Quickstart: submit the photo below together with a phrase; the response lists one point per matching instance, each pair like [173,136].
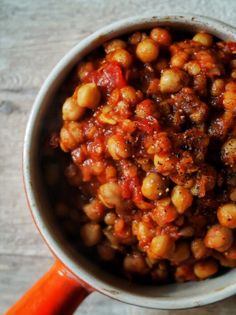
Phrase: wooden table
[34,35]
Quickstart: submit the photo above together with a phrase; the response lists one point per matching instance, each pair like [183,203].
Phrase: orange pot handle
[58,292]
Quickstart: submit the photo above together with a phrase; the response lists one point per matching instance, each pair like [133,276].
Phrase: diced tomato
[232,47]
[108,77]
[148,124]
[131,188]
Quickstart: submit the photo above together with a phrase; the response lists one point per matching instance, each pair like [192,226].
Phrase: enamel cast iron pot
[73,276]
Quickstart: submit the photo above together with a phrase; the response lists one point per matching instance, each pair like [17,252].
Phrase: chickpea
[204,39]
[91,234]
[153,186]
[71,135]
[172,80]
[160,272]
[228,152]
[105,116]
[181,253]
[94,210]
[71,110]
[105,251]
[226,215]
[164,212]
[178,60]
[145,108]
[181,198]
[84,69]
[217,87]
[225,261]
[161,36]
[229,99]
[147,50]
[192,68]
[110,172]
[135,263]
[110,218]
[164,163]
[161,247]
[219,238]
[198,248]
[184,273]
[233,74]
[205,269]
[122,56]
[232,195]
[117,147]
[143,232]
[113,45]
[88,95]
[128,94]
[110,195]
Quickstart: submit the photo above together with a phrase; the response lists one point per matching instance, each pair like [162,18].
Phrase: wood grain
[34,35]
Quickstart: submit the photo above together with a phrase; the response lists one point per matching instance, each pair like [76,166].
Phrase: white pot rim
[220,292]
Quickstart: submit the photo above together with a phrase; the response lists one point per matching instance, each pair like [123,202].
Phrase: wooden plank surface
[34,35]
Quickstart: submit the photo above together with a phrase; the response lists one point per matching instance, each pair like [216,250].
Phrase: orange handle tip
[58,292]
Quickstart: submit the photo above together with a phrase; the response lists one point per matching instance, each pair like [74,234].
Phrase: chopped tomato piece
[108,77]
[148,124]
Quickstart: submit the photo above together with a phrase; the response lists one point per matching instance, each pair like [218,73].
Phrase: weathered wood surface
[34,35]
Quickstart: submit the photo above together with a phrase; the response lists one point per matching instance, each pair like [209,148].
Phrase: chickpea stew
[143,166]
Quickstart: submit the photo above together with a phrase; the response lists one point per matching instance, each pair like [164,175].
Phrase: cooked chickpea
[228,152]
[110,195]
[113,45]
[232,195]
[164,212]
[217,87]
[105,251]
[91,234]
[198,248]
[84,69]
[94,210]
[153,186]
[181,198]
[122,56]
[204,39]
[161,247]
[205,269]
[172,80]
[229,100]
[178,60]
[160,272]
[164,163]
[219,238]
[233,74]
[135,263]
[71,110]
[118,147]
[226,215]
[192,68]
[181,253]
[147,50]
[71,135]
[128,94]
[88,95]
[143,232]
[110,218]
[161,36]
